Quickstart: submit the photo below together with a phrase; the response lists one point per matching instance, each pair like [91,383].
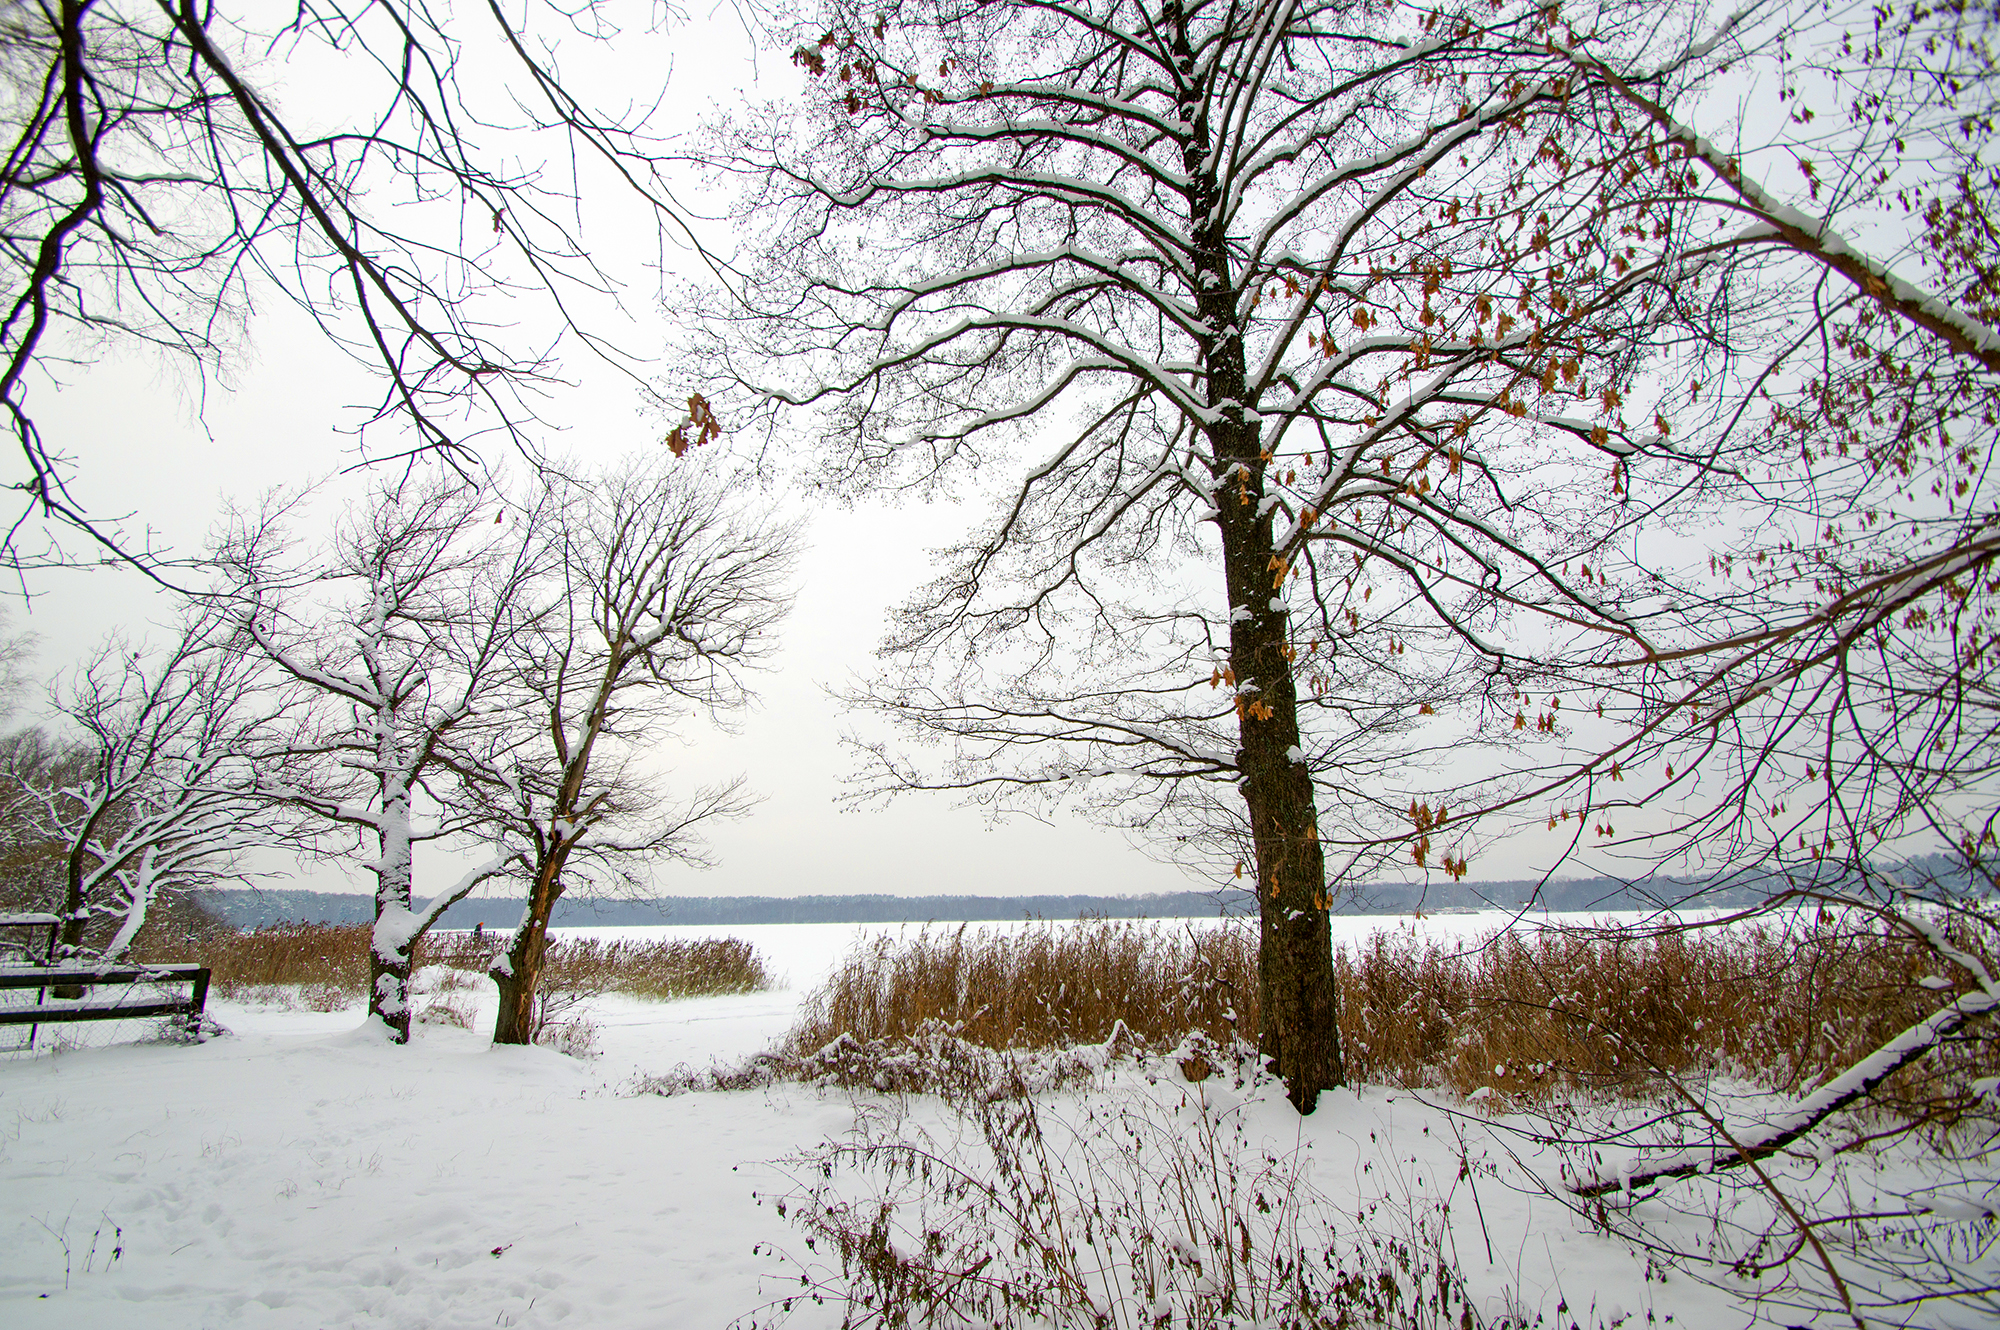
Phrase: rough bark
[1300,1030]
[74,915]
[1300,1033]
[518,974]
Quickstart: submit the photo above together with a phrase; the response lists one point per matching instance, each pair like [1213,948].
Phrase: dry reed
[330,961]
[1048,986]
[672,968]
[664,968]
[1531,1014]
[321,966]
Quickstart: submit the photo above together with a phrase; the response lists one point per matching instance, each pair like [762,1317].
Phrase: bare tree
[1832,661]
[664,592]
[155,190]
[1270,274]
[154,789]
[1666,456]
[1795,591]
[398,633]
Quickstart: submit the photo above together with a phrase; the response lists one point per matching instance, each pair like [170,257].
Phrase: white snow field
[297,1174]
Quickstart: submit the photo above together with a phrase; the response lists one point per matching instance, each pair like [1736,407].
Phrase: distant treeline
[250,909]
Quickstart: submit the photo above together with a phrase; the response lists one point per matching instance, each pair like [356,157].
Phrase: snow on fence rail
[142,997]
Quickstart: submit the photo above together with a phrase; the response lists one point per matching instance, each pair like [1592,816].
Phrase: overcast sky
[142,448]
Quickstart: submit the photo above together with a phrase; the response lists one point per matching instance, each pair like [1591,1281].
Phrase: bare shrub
[445,980]
[1044,987]
[447,1010]
[572,1036]
[323,997]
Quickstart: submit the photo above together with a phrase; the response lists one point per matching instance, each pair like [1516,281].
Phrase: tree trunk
[75,911]
[518,973]
[391,944]
[1300,1027]
[389,985]
[69,941]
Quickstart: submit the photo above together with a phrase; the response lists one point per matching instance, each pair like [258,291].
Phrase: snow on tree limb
[1778,1130]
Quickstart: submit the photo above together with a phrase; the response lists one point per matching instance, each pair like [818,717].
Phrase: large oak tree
[1316,452]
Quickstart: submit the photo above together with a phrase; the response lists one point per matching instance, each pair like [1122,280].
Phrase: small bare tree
[152,790]
[398,634]
[663,591]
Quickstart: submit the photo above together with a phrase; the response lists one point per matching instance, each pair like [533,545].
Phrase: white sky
[143,451]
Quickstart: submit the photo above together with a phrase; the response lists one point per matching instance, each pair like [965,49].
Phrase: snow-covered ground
[297,1174]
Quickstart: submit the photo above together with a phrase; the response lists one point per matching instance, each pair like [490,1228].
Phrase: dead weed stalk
[1118,1210]
[1050,986]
